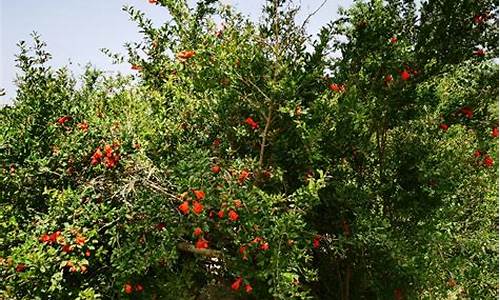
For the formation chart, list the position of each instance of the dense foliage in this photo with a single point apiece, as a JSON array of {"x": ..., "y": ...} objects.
[{"x": 252, "y": 161}]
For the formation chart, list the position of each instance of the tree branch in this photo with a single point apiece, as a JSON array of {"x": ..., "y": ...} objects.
[
  {"x": 264, "y": 136},
  {"x": 186, "y": 247}
]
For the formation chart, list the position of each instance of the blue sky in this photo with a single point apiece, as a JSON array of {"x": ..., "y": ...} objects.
[{"x": 75, "y": 30}]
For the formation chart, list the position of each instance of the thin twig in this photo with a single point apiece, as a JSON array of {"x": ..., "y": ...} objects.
[
  {"x": 158, "y": 188},
  {"x": 250, "y": 83},
  {"x": 312, "y": 14}
]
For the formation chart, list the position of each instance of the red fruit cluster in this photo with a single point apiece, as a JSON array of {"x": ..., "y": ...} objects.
[
  {"x": 487, "y": 159},
  {"x": 197, "y": 206},
  {"x": 57, "y": 238},
  {"x": 128, "y": 288},
  {"x": 263, "y": 245},
  {"x": 237, "y": 285},
  {"x": 251, "y": 123},
  {"x": 111, "y": 156},
  {"x": 52, "y": 238},
  {"x": 74, "y": 269}
]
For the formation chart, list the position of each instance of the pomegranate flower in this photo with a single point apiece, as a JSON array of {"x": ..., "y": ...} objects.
[
  {"x": 136, "y": 67},
  {"x": 197, "y": 207},
  {"x": 467, "y": 112},
  {"x": 316, "y": 242},
  {"x": 444, "y": 127},
  {"x": 405, "y": 75},
  {"x": 20, "y": 268},
  {"x": 63, "y": 120},
  {"x": 138, "y": 287},
  {"x": 494, "y": 132},
  {"x": 184, "y": 208},
  {"x": 96, "y": 157},
  {"x": 84, "y": 126},
  {"x": 237, "y": 284},
  {"x": 80, "y": 240},
  {"x": 201, "y": 244},
  {"x": 108, "y": 150},
  {"x": 67, "y": 248},
  {"x": 478, "y": 19},
  {"x": 54, "y": 236},
  {"x": 216, "y": 142},
  {"x": 488, "y": 161},
  {"x": 185, "y": 55},
  {"x": 199, "y": 194},
  {"x": 388, "y": 78},
  {"x": 335, "y": 87},
  {"x": 233, "y": 215},
  {"x": 264, "y": 246},
  {"x": 248, "y": 288},
  {"x": 197, "y": 231},
  {"x": 252, "y": 123},
  {"x": 127, "y": 288},
  {"x": 215, "y": 169},
  {"x": 243, "y": 176},
  {"x": 44, "y": 238},
  {"x": 256, "y": 240}
]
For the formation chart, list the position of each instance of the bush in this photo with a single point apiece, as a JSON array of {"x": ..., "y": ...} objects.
[{"x": 239, "y": 163}]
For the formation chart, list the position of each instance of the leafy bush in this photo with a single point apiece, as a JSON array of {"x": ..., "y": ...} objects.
[{"x": 240, "y": 163}]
